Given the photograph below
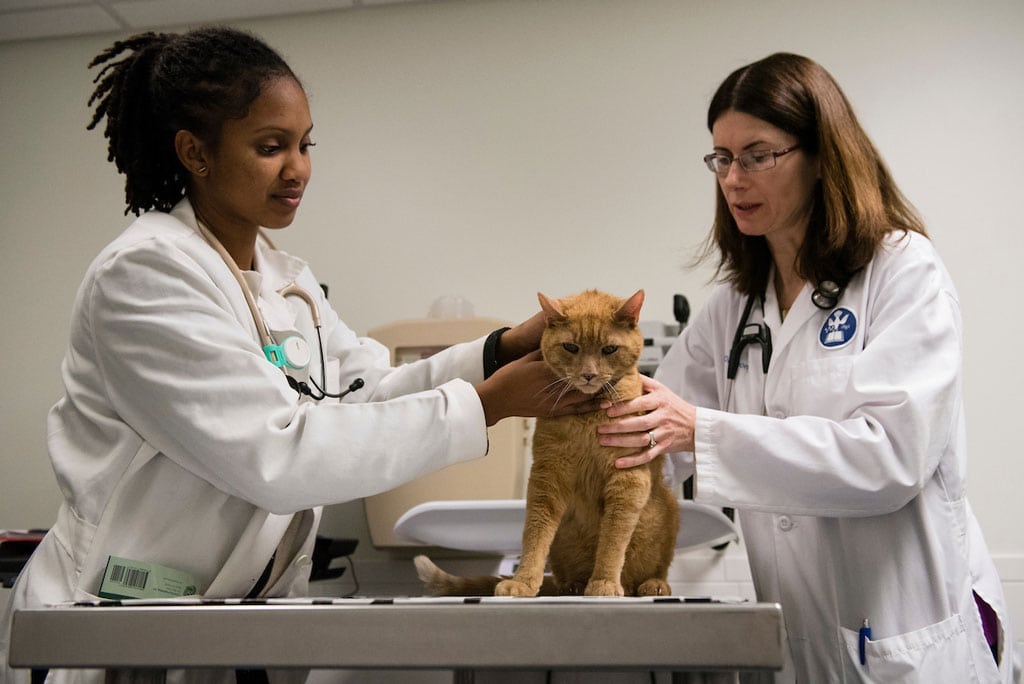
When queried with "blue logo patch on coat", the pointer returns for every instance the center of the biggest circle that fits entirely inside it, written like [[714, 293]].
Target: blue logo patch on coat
[[839, 329]]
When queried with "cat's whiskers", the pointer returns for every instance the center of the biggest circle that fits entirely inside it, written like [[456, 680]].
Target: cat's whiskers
[[611, 392], [550, 388], [566, 386]]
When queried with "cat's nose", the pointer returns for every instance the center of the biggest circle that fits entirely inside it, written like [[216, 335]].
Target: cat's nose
[[588, 376]]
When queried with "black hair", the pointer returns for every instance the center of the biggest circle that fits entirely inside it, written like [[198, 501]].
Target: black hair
[[168, 82]]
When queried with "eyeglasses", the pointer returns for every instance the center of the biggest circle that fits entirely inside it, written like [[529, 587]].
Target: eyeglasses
[[759, 160]]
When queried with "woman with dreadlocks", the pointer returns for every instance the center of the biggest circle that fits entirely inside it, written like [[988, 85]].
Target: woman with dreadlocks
[[214, 401]]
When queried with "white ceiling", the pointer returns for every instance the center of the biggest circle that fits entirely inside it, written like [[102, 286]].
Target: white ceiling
[[31, 19]]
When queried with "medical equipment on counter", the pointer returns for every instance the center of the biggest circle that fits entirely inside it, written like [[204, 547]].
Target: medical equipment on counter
[[16, 546], [293, 352], [659, 337], [325, 550]]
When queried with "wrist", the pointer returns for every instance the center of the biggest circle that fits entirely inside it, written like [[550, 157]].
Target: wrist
[[492, 353], [487, 403]]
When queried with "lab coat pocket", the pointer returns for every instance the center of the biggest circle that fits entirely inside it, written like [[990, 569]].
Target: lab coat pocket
[[820, 387], [938, 653]]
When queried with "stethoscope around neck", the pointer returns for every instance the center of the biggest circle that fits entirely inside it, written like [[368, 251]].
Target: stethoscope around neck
[[825, 296], [293, 352]]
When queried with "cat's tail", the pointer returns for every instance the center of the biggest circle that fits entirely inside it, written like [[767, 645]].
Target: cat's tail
[[437, 582]]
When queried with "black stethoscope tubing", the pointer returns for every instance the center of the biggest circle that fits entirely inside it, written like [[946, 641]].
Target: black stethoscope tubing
[[825, 296], [745, 334], [302, 388]]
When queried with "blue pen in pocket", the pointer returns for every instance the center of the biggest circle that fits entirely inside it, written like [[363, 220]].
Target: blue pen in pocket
[[862, 641]]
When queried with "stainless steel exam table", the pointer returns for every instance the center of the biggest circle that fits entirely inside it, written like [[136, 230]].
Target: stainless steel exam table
[[672, 634]]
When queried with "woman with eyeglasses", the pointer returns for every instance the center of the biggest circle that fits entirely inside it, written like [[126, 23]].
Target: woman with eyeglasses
[[819, 394]]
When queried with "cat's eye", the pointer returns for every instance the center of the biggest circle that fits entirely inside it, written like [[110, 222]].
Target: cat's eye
[[610, 349], [571, 348]]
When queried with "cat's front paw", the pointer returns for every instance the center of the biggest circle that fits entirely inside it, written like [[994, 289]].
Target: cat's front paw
[[654, 587], [599, 587], [513, 587]]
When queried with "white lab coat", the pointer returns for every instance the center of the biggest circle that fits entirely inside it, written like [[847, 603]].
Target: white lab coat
[[178, 443], [847, 467]]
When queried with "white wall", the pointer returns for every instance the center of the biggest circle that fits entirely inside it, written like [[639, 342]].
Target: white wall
[[491, 148]]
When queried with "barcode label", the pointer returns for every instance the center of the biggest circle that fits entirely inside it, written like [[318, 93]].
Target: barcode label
[[124, 578], [129, 577]]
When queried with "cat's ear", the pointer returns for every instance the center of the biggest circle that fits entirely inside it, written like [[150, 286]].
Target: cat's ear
[[552, 311], [629, 312]]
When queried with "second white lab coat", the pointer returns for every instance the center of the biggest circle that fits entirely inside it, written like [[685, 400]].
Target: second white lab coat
[[847, 466], [178, 443]]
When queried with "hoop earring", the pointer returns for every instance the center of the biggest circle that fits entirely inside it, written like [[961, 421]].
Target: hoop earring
[[201, 171]]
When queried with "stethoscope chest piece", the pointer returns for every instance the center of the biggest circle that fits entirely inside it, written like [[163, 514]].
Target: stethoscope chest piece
[[826, 295], [293, 352]]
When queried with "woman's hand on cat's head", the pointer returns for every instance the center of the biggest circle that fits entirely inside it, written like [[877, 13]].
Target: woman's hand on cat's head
[[657, 422], [520, 340], [526, 387]]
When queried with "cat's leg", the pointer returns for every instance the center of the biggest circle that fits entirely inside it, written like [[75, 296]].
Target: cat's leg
[[545, 506], [624, 498], [654, 543]]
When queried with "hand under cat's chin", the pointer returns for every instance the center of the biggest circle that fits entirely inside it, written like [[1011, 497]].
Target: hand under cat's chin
[[576, 407]]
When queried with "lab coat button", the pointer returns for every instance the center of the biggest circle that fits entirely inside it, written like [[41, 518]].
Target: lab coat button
[[785, 523]]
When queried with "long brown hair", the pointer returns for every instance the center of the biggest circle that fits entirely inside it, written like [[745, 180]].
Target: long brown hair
[[856, 203]]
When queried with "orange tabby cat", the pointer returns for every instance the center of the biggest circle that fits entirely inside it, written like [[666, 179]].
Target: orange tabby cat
[[606, 531]]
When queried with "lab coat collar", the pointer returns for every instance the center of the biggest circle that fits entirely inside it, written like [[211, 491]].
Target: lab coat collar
[[277, 267], [273, 270], [783, 331]]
